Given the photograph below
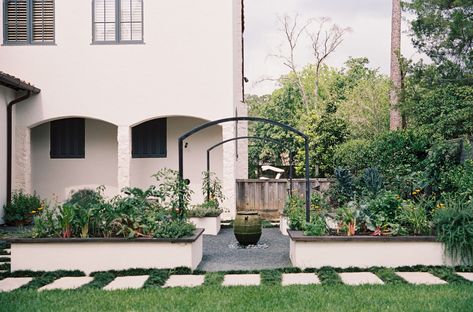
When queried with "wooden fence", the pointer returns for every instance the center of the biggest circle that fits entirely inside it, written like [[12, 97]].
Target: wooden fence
[[269, 196]]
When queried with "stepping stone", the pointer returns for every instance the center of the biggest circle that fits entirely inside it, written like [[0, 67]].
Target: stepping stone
[[360, 278], [68, 283], [127, 282], [299, 279], [421, 278], [185, 281], [466, 275], [12, 283], [241, 280]]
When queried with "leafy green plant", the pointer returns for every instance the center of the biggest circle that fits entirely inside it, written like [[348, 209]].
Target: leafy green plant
[[317, 226], [454, 227], [387, 203], [373, 181], [294, 210], [22, 208], [212, 188], [413, 217], [347, 217], [207, 209], [343, 189], [66, 218]]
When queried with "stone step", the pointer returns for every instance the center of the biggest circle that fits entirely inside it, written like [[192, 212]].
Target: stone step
[[241, 280], [466, 275], [127, 282], [68, 283], [360, 278], [421, 278], [184, 281], [289, 279], [12, 283]]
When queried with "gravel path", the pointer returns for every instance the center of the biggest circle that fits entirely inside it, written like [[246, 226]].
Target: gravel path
[[221, 254]]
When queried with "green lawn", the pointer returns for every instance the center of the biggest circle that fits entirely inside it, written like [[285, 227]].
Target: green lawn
[[264, 298]]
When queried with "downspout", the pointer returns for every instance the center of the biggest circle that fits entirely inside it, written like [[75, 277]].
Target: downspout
[[9, 141]]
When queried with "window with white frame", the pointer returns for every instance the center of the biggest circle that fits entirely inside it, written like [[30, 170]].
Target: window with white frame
[[28, 21], [118, 21]]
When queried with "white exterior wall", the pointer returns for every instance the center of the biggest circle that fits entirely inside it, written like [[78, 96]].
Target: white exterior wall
[[58, 177], [185, 67], [195, 159], [189, 65]]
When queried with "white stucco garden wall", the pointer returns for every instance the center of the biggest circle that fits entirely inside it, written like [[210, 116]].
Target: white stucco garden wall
[[58, 177]]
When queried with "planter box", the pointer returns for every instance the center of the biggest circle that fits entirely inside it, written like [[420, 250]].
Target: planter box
[[211, 225], [365, 251], [102, 254], [283, 225]]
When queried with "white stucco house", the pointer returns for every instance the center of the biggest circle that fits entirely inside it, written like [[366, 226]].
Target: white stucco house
[[120, 81]]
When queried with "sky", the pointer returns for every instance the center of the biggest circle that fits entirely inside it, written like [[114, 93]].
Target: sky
[[370, 36]]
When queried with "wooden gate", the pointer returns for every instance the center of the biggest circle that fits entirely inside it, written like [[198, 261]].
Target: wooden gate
[[269, 196]]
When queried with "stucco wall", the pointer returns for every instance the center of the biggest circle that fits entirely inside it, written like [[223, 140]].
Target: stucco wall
[[185, 67], [195, 159], [60, 176]]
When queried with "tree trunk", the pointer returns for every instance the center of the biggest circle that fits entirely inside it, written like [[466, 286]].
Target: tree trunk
[[395, 121]]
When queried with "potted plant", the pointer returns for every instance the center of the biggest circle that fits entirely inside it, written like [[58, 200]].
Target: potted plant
[[207, 214]]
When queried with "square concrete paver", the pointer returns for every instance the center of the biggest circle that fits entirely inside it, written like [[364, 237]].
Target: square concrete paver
[[241, 280], [360, 278], [68, 283], [12, 283], [466, 275], [185, 281], [127, 282], [421, 278], [299, 279]]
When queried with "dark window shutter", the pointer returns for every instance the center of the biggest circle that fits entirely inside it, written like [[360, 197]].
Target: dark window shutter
[[149, 139], [67, 138]]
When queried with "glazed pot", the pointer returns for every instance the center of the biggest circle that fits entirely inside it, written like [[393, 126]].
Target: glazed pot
[[247, 227]]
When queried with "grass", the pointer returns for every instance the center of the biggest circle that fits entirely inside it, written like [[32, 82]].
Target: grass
[[269, 297]]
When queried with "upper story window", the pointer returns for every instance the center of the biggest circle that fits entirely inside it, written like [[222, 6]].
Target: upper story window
[[28, 21], [118, 21]]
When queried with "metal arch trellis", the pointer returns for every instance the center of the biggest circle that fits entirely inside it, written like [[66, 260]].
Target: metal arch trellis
[[256, 119], [279, 142]]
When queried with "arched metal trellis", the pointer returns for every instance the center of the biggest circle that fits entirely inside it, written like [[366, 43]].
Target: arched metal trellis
[[256, 119], [278, 142]]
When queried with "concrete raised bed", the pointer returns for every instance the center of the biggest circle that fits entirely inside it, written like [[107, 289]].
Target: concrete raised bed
[[211, 225], [365, 251], [102, 254]]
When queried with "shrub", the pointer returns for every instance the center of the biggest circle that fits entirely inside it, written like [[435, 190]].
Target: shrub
[[454, 227], [316, 227], [22, 208], [354, 154], [294, 210], [207, 209], [413, 218]]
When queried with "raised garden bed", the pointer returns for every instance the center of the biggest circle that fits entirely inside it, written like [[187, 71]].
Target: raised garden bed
[[211, 225], [102, 254], [365, 251]]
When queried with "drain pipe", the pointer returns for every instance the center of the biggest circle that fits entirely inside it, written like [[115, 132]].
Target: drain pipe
[[9, 141]]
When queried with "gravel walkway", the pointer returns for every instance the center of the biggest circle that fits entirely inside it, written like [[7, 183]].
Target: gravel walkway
[[221, 254]]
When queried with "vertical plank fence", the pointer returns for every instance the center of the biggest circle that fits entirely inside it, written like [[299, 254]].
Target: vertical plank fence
[[269, 196]]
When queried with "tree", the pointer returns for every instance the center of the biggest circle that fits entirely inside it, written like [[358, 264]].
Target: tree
[[443, 29], [396, 78], [325, 38]]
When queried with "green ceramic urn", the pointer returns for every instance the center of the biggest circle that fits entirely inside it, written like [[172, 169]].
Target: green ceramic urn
[[247, 227]]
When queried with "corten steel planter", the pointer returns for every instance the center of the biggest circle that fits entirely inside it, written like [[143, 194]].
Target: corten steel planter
[[365, 251], [103, 254], [247, 227]]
